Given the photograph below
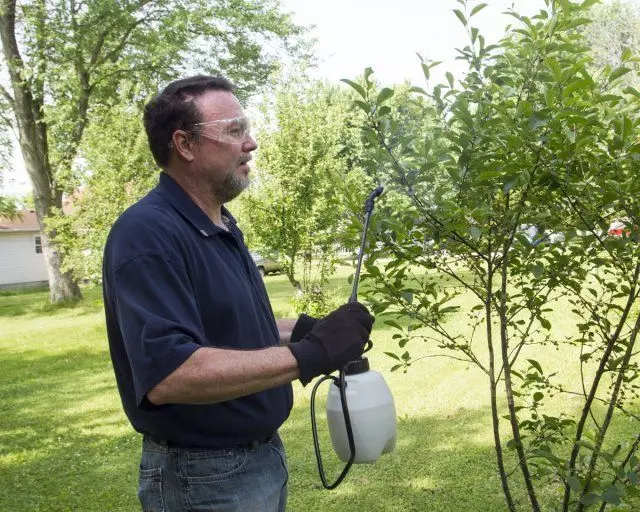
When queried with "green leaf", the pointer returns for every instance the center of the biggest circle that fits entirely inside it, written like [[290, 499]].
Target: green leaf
[[535, 364], [474, 34], [426, 70], [590, 499], [571, 134], [555, 68], [576, 85], [408, 296], [393, 323], [449, 79], [358, 88], [384, 95], [588, 3], [475, 232], [419, 90], [392, 356], [618, 72], [612, 495], [550, 97], [574, 483], [538, 395], [538, 269], [631, 90], [363, 106], [460, 16], [477, 9], [537, 120], [508, 185]]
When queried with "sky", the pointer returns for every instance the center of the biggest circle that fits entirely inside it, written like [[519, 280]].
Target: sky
[[382, 34], [385, 35]]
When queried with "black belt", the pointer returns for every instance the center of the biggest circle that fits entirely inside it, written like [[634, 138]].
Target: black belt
[[251, 445]]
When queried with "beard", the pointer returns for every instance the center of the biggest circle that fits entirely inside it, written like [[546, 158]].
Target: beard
[[232, 185]]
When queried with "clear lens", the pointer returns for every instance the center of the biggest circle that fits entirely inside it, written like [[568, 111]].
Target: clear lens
[[233, 130]]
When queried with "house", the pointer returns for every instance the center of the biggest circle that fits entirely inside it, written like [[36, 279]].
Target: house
[[21, 260]]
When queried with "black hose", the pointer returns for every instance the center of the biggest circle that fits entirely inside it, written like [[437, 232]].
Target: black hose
[[342, 385]]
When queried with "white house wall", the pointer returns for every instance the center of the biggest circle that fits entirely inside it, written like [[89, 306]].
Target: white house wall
[[19, 262]]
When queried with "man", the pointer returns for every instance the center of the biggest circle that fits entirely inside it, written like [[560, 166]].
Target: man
[[202, 367]]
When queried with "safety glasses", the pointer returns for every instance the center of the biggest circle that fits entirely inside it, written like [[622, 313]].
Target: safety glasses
[[233, 131]]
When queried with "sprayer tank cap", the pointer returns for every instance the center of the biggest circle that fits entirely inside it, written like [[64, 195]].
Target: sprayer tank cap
[[360, 365]]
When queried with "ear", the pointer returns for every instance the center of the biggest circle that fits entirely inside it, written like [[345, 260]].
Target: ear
[[182, 143]]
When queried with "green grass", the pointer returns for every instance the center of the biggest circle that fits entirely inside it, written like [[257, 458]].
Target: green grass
[[65, 443]]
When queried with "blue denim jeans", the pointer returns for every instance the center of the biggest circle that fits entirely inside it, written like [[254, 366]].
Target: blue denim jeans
[[243, 479]]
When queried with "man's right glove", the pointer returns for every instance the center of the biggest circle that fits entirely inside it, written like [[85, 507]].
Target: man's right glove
[[333, 341]]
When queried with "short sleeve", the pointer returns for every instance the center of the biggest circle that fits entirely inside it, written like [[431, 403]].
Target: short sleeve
[[158, 318]]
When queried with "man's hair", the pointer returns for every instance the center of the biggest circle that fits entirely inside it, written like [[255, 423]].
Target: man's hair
[[174, 109]]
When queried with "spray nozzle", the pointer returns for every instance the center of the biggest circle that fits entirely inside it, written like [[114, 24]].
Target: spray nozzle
[[368, 204]]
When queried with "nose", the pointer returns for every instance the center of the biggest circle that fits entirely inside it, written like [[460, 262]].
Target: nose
[[249, 144]]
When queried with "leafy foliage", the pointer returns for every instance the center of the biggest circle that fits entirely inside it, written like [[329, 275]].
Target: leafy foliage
[[122, 170], [613, 36], [296, 205], [510, 195]]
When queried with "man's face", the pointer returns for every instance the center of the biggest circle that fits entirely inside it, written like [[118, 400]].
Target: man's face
[[220, 155]]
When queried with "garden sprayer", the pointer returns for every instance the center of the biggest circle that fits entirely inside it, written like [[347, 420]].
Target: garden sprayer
[[361, 413]]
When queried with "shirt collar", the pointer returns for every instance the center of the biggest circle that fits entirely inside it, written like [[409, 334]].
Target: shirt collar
[[178, 198]]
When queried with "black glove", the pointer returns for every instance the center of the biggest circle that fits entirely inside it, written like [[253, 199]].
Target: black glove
[[302, 327], [333, 341]]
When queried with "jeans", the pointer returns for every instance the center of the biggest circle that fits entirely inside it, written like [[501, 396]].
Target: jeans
[[252, 478]]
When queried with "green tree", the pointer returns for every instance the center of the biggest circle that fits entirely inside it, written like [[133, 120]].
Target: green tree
[[294, 208], [121, 170], [7, 207], [613, 32], [65, 58], [533, 140]]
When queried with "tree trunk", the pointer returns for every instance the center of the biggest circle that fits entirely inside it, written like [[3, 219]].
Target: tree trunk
[[493, 389], [508, 385], [32, 136]]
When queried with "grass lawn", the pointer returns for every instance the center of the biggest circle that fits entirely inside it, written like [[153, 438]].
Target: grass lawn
[[65, 443]]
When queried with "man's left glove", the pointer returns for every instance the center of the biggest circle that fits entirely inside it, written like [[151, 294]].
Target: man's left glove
[[302, 327], [333, 341]]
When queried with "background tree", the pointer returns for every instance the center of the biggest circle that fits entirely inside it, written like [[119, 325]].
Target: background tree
[[120, 170], [7, 207], [614, 31], [295, 206], [533, 135], [64, 58]]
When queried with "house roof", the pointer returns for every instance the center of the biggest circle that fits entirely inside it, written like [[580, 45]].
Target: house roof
[[26, 221]]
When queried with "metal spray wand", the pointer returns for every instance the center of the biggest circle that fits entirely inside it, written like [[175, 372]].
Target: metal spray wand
[[368, 208]]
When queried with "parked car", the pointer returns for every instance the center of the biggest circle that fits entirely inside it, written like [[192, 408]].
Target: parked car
[[265, 265]]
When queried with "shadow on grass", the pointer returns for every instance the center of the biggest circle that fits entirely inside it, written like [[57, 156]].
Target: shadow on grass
[[438, 465], [64, 441], [38, 303]]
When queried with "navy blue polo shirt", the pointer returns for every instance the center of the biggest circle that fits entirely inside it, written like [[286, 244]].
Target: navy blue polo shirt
[[174, 282]]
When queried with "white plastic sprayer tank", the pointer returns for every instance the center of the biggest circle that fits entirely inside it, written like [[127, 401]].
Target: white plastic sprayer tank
[[372, 413]]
